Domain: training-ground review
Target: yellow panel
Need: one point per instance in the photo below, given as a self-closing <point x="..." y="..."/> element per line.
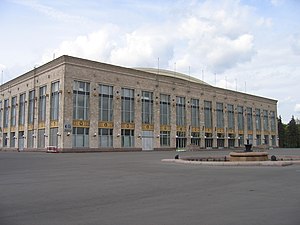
<point x="41" y="124"/>
<point x="165" y="127"/>
<point x="30" y="127"/>
<point x="147" y="127"/>
<point x="181" y="128"/>
<point x="250" y="131"/>
<point x="81" y="123"/>
<point x="128" y="126"/>
<point x="220" y="130"/>
<point x="21" y="128"/>
<point x="208" y="130"/>
<point x="105" y="124"/>
<point x="241" y="132"/>
<point x="230" y="131"/>
<point x="54" y="123"/>
<point x="195" y="129"/>
<point x="13" y="129"/>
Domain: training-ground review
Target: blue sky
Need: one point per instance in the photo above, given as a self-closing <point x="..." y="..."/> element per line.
<point x="248" y="45"/>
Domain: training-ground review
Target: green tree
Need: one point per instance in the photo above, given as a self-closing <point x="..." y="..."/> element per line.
<point x="282" y="133"/>
<point x="292" y="134"/>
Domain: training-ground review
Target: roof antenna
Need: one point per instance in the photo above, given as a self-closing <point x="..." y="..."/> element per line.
<point x="157" y="65"/>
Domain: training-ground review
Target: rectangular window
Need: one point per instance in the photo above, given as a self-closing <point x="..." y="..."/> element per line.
<point x="165" y="138"/>
<point x="257" y="119"/>
<point x="54" y="106"/>
<point x="13" y="112"/>
<point x="165" y="114"/>
<point x="127" y="108"/>
<point x="180" y="139"/>
<point x="1" y="114"/>
<point x="30" y="139"/>
<point x="22" y="109"/>
<point x="80" y="137"/>
<point x="230" y="116"/>
<point x="195" y="113"/>
<point x="180" y="111"/>
<point x="53" y="137"/>
<point x="81" y="100"/>
<point x="266" y="120"/>
<point x="220" y="115"/>
<point x="105" y="103"/>
<point x="249" y="119"/>
<point x="208" y="114"/>
<point x="105" y="137"/>
<point x="41" y="138"/>
<point x="6" y="113"/>
<point x="240" y="111"/>
<point x="12" y="140"/>
<point x="42" y="104"/>
<point x="31" y="106"/>
<point x="127" y="138"/>
<point x="147" y="107"/>
<point x="5" y="140"/>
<point x="272" y="120"/>
<point x="195" y="138"/>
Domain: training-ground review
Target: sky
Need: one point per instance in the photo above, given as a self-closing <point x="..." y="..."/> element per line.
<point x="250" y="46"/>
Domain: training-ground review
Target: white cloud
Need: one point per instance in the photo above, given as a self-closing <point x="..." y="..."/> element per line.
<point x="295" y="43"/>
<point x="297" y="108"/>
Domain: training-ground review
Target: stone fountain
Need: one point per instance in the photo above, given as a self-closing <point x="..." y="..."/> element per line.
<point x="248" y="154"/>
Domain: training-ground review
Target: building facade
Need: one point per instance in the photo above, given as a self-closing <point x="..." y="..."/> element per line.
<point x="76" y="104"/>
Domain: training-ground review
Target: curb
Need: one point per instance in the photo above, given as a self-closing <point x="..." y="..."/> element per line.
<point x="247" y="163"/>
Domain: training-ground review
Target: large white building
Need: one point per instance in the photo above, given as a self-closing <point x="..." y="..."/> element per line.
<point x="81" y="105"/>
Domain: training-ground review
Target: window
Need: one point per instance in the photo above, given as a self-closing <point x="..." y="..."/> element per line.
<point x="249" y="119"/>
<point x="165" y="114"/>
<point x="42" y="104"/>
<point x="220" y="115"/>
<point x="257" y="119"/>
<point x="127" y="108"/>
<point x="195" y="139"/>
<point x="266" y="121"/>
<point x="5" y="139"/>
<point x="127" y="138"/>
<point x="105" y="103"/>
<point x="240" y="110"/>
<point x="272" y="121"/>
<point x="230" y="117"/>
<point x="1" y="114"/>
<point x="80" y="137"/>
<point x="208" y="114"/>
<point x="147" y="107"/>
<point x="165" y="138"/>
<point x="105" y="137"/>
<point x="53" y="137"/>
<point x="30" y="139"/>
<point x="195" y="113"/>
<point x="81" y="100"/>
<point x="41" y="138"/>
<point x="180" y="139"/>
<point x="13" y="112"/>
<point x="54" y="108"/>
<point x="12" y="140"/>
<point x="22" y="110"/>
<point x="180" y="111"/>
<point x="31" y="110"/>
<point x="6" y="113"/>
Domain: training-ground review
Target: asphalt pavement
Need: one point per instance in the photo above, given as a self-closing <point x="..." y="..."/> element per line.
<point x="138" y="188"/>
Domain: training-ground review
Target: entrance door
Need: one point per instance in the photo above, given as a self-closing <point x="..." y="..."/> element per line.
<point x="147" y="140"/>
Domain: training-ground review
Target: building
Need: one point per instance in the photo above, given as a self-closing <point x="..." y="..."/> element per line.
<point x="75" y="104"/>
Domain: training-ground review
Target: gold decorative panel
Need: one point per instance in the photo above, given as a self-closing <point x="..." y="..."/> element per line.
<point x="21" y="127"/>
<point x="241" y="132"/>
<point x="230" y="131"/>
<point x="165" y="127"/>
<point x="13" y="129"/>
<point x="220" y="130"/>
<point x="195" y="129"/>
<point x="258" y="132"/>
<point x="208" y="130"/>
<point x="54" y="123"/>
<point x="41" y="125"/>
<point x="128" y="126"/>
<point x="81" y="123"/>
<point x="147" y="127"/>
<point x="105" y="124"/>
<point x="250" y="131"/>
<point x="181" y="128"/>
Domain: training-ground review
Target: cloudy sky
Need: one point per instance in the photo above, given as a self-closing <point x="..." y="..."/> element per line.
<point x="250" y="46"/>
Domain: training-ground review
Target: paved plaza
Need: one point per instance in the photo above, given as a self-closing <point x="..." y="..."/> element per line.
<point x="138" y="188"/>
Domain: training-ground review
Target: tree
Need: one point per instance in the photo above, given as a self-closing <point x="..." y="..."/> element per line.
<point x="293" y="134"/>
<point x="282" y="133"/>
